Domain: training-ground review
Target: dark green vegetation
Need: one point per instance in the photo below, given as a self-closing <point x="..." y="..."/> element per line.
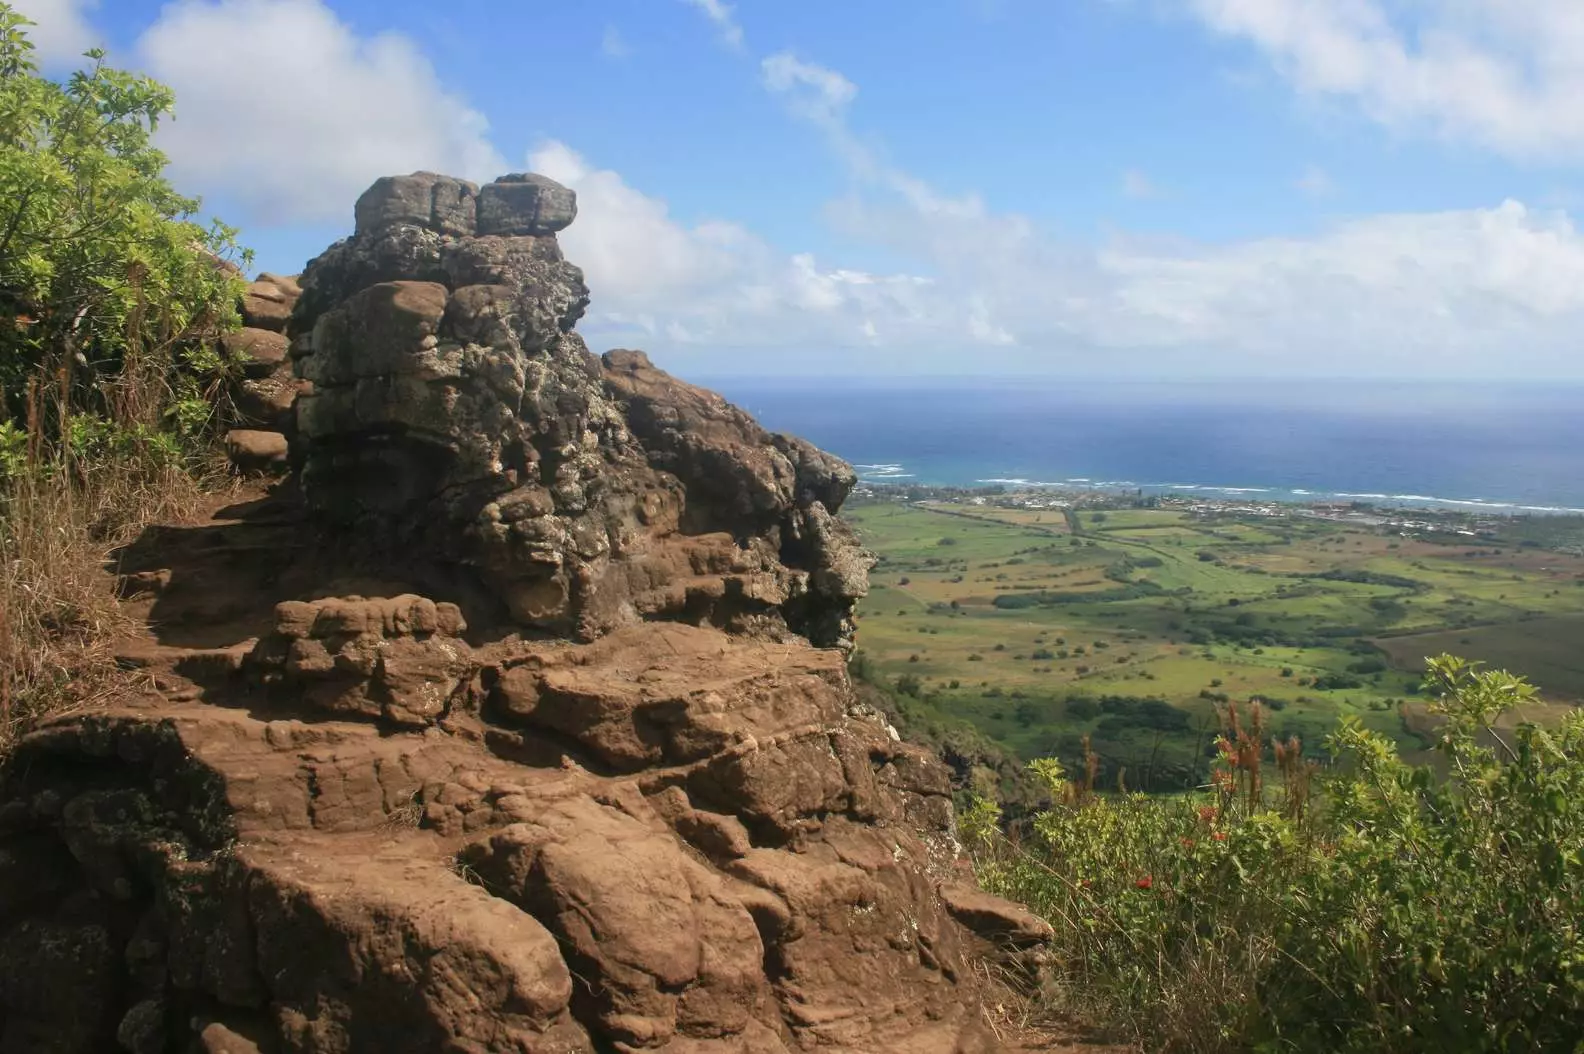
<point x="111" y="294"/>
<point x="1133" y="625"/>
<point x="1369" y="905"/>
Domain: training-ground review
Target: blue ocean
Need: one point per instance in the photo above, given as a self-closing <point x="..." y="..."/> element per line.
<point x="1510" y="447"/>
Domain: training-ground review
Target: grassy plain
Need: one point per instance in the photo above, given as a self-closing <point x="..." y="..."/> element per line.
<point x="1133" y="625"/>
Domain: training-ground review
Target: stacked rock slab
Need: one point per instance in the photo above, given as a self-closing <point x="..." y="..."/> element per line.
<point x="263" y="397"/>
<point x="455" y="410"/>
<point x="334" y="815"/>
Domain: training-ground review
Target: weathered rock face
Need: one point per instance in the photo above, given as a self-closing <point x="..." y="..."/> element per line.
<point x="350" y="809"/>
<point x="454" y="407"/>
<point x="263" y="396"/>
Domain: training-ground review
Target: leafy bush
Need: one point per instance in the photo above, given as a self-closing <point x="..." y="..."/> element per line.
<point x="105" y="275"/>
<point x="1082" y="708"/>
<point x="1370" y="905"/>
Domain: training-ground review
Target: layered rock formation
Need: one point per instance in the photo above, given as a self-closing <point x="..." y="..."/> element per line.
<point x="263" y="397"/>
<point x="455" y="409"/>
<point x="519" y="722"/>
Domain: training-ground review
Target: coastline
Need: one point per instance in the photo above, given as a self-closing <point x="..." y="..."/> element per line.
<point x="894" y="474"/>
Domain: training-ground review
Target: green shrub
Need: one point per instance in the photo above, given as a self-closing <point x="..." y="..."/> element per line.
<point x="106" y="275"/>
<point x="1369" y="905"/>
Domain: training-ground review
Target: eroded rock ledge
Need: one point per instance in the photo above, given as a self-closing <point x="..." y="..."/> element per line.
<point x="566" y="760"/>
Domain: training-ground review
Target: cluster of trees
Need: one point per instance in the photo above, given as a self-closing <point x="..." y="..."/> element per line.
<point x="1047" y="598"/>
<point x="108" y="277"/>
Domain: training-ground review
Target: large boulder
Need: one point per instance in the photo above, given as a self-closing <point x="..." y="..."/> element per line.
<point x="525" y="203"/>
<point x="422" y="199"/>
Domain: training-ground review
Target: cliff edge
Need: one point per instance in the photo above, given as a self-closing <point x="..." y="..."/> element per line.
<point x="515" y="719"/>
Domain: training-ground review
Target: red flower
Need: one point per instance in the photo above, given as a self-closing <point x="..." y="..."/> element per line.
<point x="1219" y="836"/>
<point x="1208" y="813"/>
<point x="1187" y="843"/>
<point x="1146" y="882"/>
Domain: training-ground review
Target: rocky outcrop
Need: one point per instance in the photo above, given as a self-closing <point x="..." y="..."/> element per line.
<point x="263" y="392"/>
<point x="454" y="409"/>
<point x="518" y="722"/>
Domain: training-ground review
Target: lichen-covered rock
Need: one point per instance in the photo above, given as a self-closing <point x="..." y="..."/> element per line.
<point x="455" y="410"/>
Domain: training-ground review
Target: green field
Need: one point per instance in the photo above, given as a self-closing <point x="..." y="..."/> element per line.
<point x="1133" y="625"/>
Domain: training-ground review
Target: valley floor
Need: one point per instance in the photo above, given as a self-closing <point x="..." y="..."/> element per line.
<point x="1131" y="625"/>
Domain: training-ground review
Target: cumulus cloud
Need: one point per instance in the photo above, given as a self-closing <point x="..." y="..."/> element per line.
<point x="1373" y="295"/>
<point x="1401" y="292"/>
<point x="654" y="276"/>
<point x="61" y="30"/>
<point x="725" y="18"/>
<point x="337" y="111"/>
<point x="1502" y="74"/>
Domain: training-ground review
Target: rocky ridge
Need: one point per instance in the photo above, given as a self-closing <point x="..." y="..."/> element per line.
<point x="517" y="719"/>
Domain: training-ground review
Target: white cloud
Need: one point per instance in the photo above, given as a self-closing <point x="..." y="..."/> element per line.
<point x="336" y="112"/>
<point x="1138" y="186"/>
<point x="613" y="45"/>
<point x="61" y="31"/>
<point x="1478" y="291"/>
<point x="816" y="93"/>
<point x="725" y="18"/>
<point x="1505" y="75"/>
<point x="1414" y="292"/>
<point x="1411" y="293"/>
<point x="654" y="277"/>
<point x="1315" y="182"/>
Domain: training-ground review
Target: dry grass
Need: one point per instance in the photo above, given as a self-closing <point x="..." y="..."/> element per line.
<point x="59" y="614"/>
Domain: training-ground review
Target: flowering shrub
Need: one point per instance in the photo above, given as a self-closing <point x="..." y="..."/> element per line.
<point x="1367" y="905"/>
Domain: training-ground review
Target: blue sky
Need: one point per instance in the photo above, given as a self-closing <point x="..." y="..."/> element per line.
<point x="1140" y="188"/>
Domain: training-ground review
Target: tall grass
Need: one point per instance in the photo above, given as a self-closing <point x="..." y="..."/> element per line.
<point x="63" y="514"/>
